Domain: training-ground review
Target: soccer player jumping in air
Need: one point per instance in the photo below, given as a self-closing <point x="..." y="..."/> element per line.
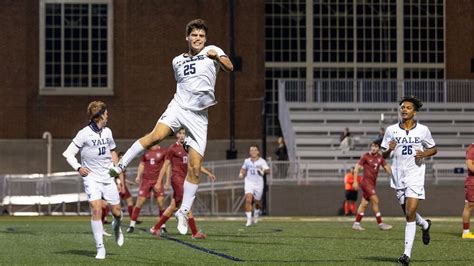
<point x="196" y="73"/>
<point x="409" y="142"/>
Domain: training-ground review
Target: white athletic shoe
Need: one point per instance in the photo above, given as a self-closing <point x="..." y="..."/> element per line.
<point x="100" y="253"/>
<point x="249" y="222"/>
<point x="385" y="227"/>
<point x="115" y="171"/>
<point x="182" y="219"/>
<point x="119" y="239"/>
<point x="105" y="233"/>
<point x="256" y="215"/>
<point x="357" y="227"/>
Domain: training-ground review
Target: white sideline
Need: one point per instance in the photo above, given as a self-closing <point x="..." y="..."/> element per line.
<point x="42" y="200"/>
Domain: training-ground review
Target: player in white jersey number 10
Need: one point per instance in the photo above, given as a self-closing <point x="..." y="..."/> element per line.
<point x="96" y="144"/>
<point x="195" y="72"/>
<point x="408" y="143"/>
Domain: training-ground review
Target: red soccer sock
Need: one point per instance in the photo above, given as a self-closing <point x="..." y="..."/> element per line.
<point x="465" y="226"/>
<point x="161" y="212"/>
<point x="359" y="217"/>
<point x="105" y="212"/>
<point x="346" y="207"/>
<point x="163" y="220"/>
<point x="378" y="216"/>
<point x="353" y="207"/>
<point x="192" y="224"/>
<point x="130" y="210"/>
<point x="136" y="212"/>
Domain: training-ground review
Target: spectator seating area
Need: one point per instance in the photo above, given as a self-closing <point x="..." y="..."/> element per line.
<point x="317" y="128"/>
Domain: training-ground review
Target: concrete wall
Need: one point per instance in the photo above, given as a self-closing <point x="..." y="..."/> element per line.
<point x="326" y="199"/>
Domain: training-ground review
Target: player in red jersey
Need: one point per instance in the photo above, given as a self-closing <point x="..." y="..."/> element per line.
<point x="147" y="175"/>
<point x="177" y="159"/>
<point x="370" y="162"/>
<point x="469" y="193"/>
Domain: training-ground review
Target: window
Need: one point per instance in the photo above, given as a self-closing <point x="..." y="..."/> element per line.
<point x="76" y="47"/>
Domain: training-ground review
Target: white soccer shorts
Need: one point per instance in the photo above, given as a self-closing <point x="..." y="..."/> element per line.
<point x="417" y="192"/>
<point x="98" y="190"/>
<point x="195" y="123"/>
<point x="255" y="189"/>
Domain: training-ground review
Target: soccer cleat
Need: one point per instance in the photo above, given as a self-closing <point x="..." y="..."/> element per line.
<point x="130" y="229"/>
<point x="100" y="253"/>
<point x="105" y="233"/>
<point x="153" y="231"/>
<point x="115" y="171"/>
<point x="163" y="232"/>
<point x="182" y="219"/>
<point x="404" y="260"/>
<point x="467" y="235"/>
<point x="199" y="235"/>
<point x="119" y="239"/>
<point x="256" y="215"/>
<point x="249" y="222"/>
<point x="357" y="227"/>
<point x="385" y="227"/>
<point x="426" y="233"/>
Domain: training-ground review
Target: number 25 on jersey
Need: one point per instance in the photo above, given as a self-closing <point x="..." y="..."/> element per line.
<point x="189" y="69"/>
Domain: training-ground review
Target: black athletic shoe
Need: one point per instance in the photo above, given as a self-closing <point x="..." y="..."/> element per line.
<point x="404" y="260"/>
<point x="426" y="233"/>
<point x="130" y="229"/>
<point x="163" y="232"/>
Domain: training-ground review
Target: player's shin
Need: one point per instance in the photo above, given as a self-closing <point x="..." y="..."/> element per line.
<point x="97" y="230"/>
<point x="410" y="231"/>
<point x="421" y="222"/>
<point x="135" y="150"/>
<point x="189" y="195"/>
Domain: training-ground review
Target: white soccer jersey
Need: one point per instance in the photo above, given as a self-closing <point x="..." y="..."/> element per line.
<point x="95" y="152"/>
<point x="251" y="168"/>
<point x="196" y="79"/>
<point x="407" y="172"/>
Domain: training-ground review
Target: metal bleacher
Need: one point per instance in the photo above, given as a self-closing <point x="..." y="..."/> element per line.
<point x="315" y="128"/>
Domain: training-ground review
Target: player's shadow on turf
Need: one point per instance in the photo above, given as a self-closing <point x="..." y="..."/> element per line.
<point x="381" y="259"/>
<point x="86" y="253"/>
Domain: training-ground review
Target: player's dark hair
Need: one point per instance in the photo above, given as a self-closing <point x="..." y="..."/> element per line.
<point x="377" y="142"/>
<point x="196" y="24"/>
<point x="417" y="103"/>
<point x="120" y="154"/>
<point x="255" y="146"/>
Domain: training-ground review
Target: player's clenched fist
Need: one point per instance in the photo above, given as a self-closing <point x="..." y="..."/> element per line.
<point x="212" y="54"/>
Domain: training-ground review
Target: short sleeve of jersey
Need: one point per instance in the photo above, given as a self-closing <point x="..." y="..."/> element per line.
<point x="219" y="51"/>
<point x="386" y="139"/>
<point x="362" y="160"/>
<point x="79" y="139"/>
<point x="265" y="165"/>
<point x="428" y="141"/>
<point x="244" y="166"/>
<point x="470" y="152"/>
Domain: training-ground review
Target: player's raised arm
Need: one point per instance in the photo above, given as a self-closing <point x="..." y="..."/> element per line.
<point x="223" y="60"/>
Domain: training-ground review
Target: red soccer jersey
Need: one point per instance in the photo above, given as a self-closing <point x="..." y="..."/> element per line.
<point x="371" y="163"/>
<point x="179" y="162"/>
<point x="470" y="156"/>
<point x="153" y="161"/>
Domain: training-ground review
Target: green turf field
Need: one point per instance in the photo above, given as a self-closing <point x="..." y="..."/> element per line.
<point x="324" y="241"/>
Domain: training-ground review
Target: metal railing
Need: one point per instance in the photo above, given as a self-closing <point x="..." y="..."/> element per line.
<point x="62" y="193"/>
<point x="369" y="91"/>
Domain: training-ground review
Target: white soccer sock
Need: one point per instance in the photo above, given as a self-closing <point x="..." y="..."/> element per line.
<point x="132" y="223"/>
<point x="131" y="153"/>
<point x="465" y="231"/>
<point x="410" y="231"/>
<point x="421" y="222"/>
<point x="97" y="231"/>
<point x="249" y="215"/>
<point x="189" y="193"/>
